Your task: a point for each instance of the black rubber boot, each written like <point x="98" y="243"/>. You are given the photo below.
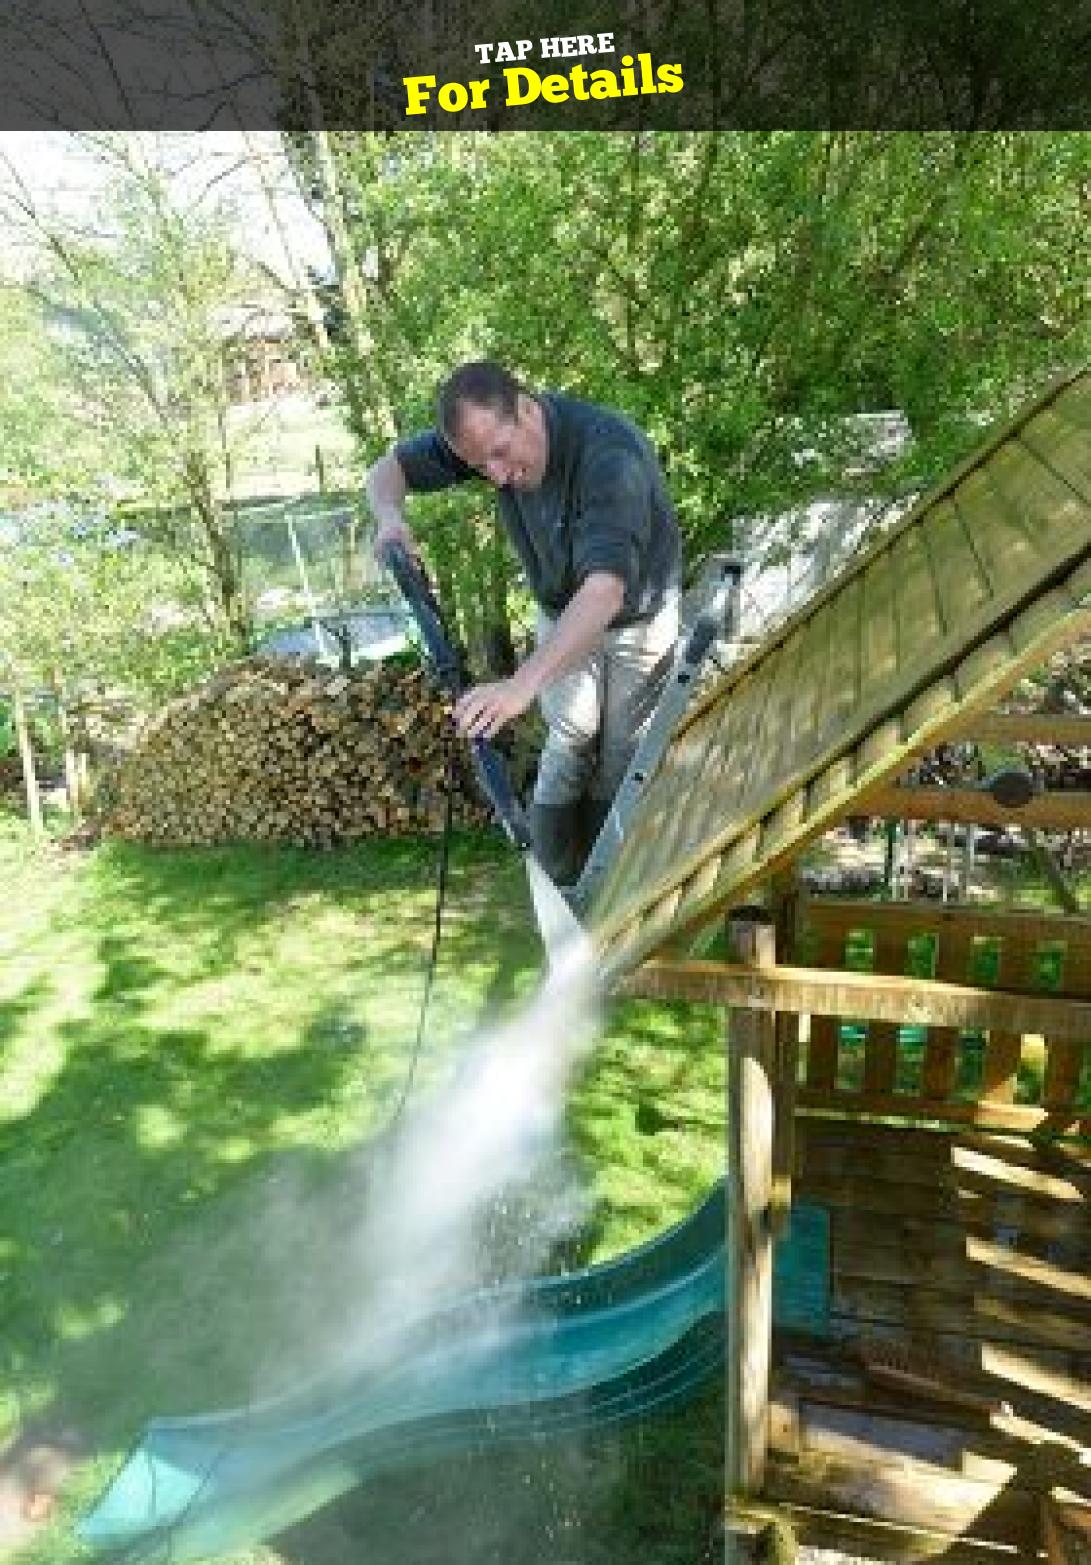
<point x="558" y="845"/>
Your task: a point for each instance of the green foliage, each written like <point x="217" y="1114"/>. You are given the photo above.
<point x="739" y="294"/>
<point x="92" y="601"/>
<point x="44" y="445"/>
<point x="139" y="313"/>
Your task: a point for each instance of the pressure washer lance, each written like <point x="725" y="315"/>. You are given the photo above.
<point x="557" y="924"/>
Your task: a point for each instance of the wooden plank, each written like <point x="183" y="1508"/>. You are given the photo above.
<point x="1066" y="1532"/>
<point x="963" y="1166"/>
<point x="962" y="584"/>
<point x="981" y="1316"/>
<point x="751" y="1113"/>
<point x="859" y="1432"/>
<point x="840" y="1379"/>
<point x="824" y="1027"/>
<point x="940" y="1067"/>
<point x="928" y="1150"/>
<point x="1030" y="1118"/>
<point x="1045" y="1385"/>
<point x="1069" y="810"/>
<point x="1020" y="931"/>
<point x="818" y="1528"/>
<point x="843" y="677"/>
<point x="728" y="756"/>
<point x="1073" y="402"/>
<point x="986" y="1208"/>
<point x="881" y="1057"/>
<point x="961" y="1263"/>
<point x="787" y="1080"/>
<point x="1052" y="507"/>
<point x="1000" y="1067"/>
<point x="878" y="624"/>
<point x="1064" y="1068"/>
<point x="890" y="955"/>
<point x="920" y="623"/>
<point x="869" y="996"/>
<point x="795" y="710"/>
<point x="660" y="835"/>
<point x="1052" y="728"/>
<point x="1008" y="546"/>
<point x="796" y="714"/>
<point x="1063" y="448"/>
<point x="891" y="1492"/>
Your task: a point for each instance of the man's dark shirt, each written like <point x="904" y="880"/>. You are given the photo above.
<point x="602" y="505"/>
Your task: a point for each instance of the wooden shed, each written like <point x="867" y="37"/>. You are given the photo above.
<point x="946" y="1413"/>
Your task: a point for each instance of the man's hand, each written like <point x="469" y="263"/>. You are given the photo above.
<point x="396" y="532"/>
<point x="482" y="712"/>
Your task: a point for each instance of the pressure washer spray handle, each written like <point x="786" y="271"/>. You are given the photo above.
<point x="416" y="589"/>
<point x="488" y="763"/>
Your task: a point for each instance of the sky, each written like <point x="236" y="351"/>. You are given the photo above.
<point x="66" y="177"/>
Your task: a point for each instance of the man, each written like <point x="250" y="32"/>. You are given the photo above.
<point x="582" y="499"/>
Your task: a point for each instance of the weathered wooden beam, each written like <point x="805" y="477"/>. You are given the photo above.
<point x="920" y="1496"/>
<point x="841" y="1531"/>
<point x="1066" y="1532"/>
<point x="1060" y="811"/>
<point x="1058" y="728"/>
<point x="751" y="1109"/>
<point x="951" y="918"/>
<point x="863" y="996"/>
<point x="1026" y="1118"/>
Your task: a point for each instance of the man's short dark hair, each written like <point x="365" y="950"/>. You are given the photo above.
<point x="482" y="384"/>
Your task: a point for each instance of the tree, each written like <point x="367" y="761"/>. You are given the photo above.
<point x="46" y="447"/>
<point x="91" y="606"/>
<point x="742" y="295"/>
<point x="141" y="307"/>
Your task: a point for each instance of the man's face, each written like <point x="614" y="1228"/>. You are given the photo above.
<point x="509" y="452"/>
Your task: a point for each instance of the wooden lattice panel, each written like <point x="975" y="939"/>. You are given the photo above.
<point x="982" y="580"/>
<point x="1003" y="1079"/>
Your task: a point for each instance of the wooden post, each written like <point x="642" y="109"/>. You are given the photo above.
<point x="967" y="869"/>
<point x="788" y="903"/>
<point x="26" y="755"/>
<point x="751" y="1074"/>
<point x="71" y="766"/>
<point x="350" y="557"/>
<point x="949" y="862"/>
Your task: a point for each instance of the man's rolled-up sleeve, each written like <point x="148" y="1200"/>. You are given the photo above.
<point x="429" y="463"/>
<point x="613" y="520"/>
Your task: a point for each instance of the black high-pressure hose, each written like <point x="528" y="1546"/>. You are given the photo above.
<point x="488" y="763"/>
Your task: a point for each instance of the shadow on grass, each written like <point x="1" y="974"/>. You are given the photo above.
<point x="213" y="899"/>
<point x="19" y="1008"/>
<point x="175" y="1211"/>
<point x="181" y="1216"/>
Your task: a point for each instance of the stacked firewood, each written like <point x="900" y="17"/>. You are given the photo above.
<point x="272" y="751"/>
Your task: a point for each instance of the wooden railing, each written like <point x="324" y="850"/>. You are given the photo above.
<point x="978" y="1071"/>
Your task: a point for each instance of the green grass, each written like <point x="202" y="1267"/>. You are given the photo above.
<point x="197" y="1049"/>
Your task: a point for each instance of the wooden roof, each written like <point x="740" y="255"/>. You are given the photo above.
<point x="982" y="580"/>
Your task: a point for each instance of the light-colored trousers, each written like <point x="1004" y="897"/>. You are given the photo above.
<point x="597" y="711"/>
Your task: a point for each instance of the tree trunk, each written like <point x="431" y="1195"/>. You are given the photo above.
<point x="26" y="755"/>
<point x="71" y="763"/>
<point x="224" y="561"/>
